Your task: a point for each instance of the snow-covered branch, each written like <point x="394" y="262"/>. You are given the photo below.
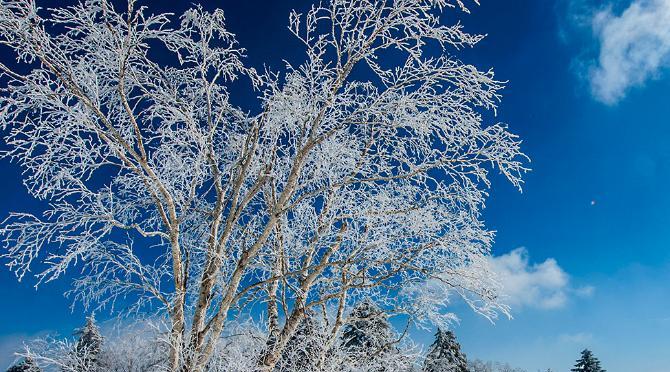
<point x="163" y="193"/>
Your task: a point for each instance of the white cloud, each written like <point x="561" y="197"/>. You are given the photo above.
<point x="586" y="291"/>
<point x="541" y="285"/>
<point x="580" y="338"/>
<point x="634" y="47"/>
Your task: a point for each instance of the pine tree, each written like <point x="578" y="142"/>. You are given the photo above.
<point x="88" y="346"/>
<point x="368" y="336"/>
<point x="26" y="365"/>
<point x="369" y="331"/>
<point x="445" y="354"/>
<point x="304" y="348"/>
<point x="587" y="363"/>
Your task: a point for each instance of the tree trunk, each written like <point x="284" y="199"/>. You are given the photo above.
<point x="176" y="344"/>
<point x="276" y="346"/>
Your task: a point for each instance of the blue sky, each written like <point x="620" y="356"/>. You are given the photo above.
<point x="585" y="247"/>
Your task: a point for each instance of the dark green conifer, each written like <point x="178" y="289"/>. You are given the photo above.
<point x="587" y="363"/>
<point x="26" y="365"/>
<point x="88" y="346"/>
<point x="445" y="354"/>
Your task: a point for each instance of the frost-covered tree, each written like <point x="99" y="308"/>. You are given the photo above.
<point x="367" y="335"/>
<point x="587" y="363"/>
<point x="340" y="186"/>
<point x="303" y="350"/>
<point x="481" y="366"/>
<point x="26" y="365"/>
<point x="506" y="367"/>
<point x="478" y="365"/>
<point x="367" y="329"/>
<point x="54" y="354"/>
<point x="88" y="346"/>
<point x="134" y="348"/>
<point x="445" y="354"/>
<point x="141" y="347"/>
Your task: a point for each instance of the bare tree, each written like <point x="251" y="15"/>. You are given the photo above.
<point x="337" y="188"/>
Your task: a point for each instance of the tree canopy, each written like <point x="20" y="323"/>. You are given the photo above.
<point x="337" y="187"/>
<point x="587" y="363"/>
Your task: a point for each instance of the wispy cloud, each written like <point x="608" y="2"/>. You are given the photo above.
<point x="13" y="343"/>
<point x="542" y="285"/>
<point x="585" y="291"/>
<point x="10" y="344"/>
<point x="579" y="338"/>
<point x="634" y="47"/>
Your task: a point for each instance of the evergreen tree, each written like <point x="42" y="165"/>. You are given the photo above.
<point x="368" y="337"/>
<point x="587" y="363"/>
<point x="88" y="346"/>
<point x="368" y="331"/>
<point x="303" y="348"/>
<point x="445" y="355"/>
<point x="26" y="365"/>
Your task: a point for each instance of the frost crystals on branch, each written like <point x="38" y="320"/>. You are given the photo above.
<point x="338" y="188"/>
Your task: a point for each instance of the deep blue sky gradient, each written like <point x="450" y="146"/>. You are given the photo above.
<point x="581" y="151"/>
